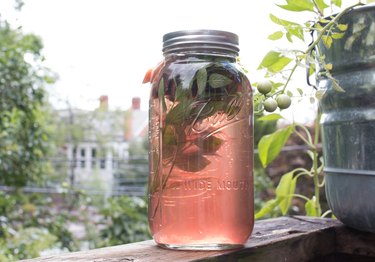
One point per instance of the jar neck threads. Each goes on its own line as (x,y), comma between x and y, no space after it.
(211,42)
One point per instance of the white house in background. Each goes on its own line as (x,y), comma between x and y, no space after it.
(105,137)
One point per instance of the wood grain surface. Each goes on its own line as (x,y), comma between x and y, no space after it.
(281,239)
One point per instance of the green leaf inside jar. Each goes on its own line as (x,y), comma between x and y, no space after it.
(216,80)
(211,89)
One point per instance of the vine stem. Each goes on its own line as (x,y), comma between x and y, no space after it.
(315,165)
(307,133)
(304,139)
(164,183)
(317,40)
(322,184)
(329,25)
(317,8)
(291,74)
(317,123)
(302,172)
(301,196)
(327,213)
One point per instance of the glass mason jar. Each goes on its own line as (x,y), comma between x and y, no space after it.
(201,144)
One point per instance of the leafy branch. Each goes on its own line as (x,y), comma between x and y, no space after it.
(324,30)
(269,148)
(276,62)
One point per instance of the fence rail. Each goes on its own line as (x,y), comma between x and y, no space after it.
(125,190)
(123,183)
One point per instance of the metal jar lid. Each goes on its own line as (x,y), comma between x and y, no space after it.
(190,40)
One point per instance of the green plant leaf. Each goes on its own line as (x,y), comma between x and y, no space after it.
(336,2)
(211,144)
(300,91)
(285,191)
(337,35)
(289,37)
(276,84)
(270,117)
(327,41)
(276,36)
(321,5)
(312,69)
(201,80)
(270,145)
(298,32)
(290,27)
(216,80)
(322,21)
(180,92)
(177,115)
(274,62)
(161,93)
(298,5)
(267,208)
(317,27)
(342,27)
(328,66)
(280,21)
(191,162)
(310,208)
(169,135)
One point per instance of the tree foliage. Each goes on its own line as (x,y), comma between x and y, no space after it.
(28,223)
(23,134)
(126,220)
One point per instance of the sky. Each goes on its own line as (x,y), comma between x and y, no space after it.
(105,47)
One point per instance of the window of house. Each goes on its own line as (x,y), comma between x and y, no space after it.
(93,157)
(93,152)
(102,163)
(83,153)
(74,152)
(74,156)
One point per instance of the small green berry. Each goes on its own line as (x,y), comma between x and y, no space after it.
(270,104)
(283,101)
(264,86)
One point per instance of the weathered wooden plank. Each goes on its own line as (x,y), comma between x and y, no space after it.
(290,239)
(352,241)
(280,239)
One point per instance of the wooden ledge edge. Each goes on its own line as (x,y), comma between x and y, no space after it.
(295,238)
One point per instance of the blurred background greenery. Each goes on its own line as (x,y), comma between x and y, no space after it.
(36,218)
